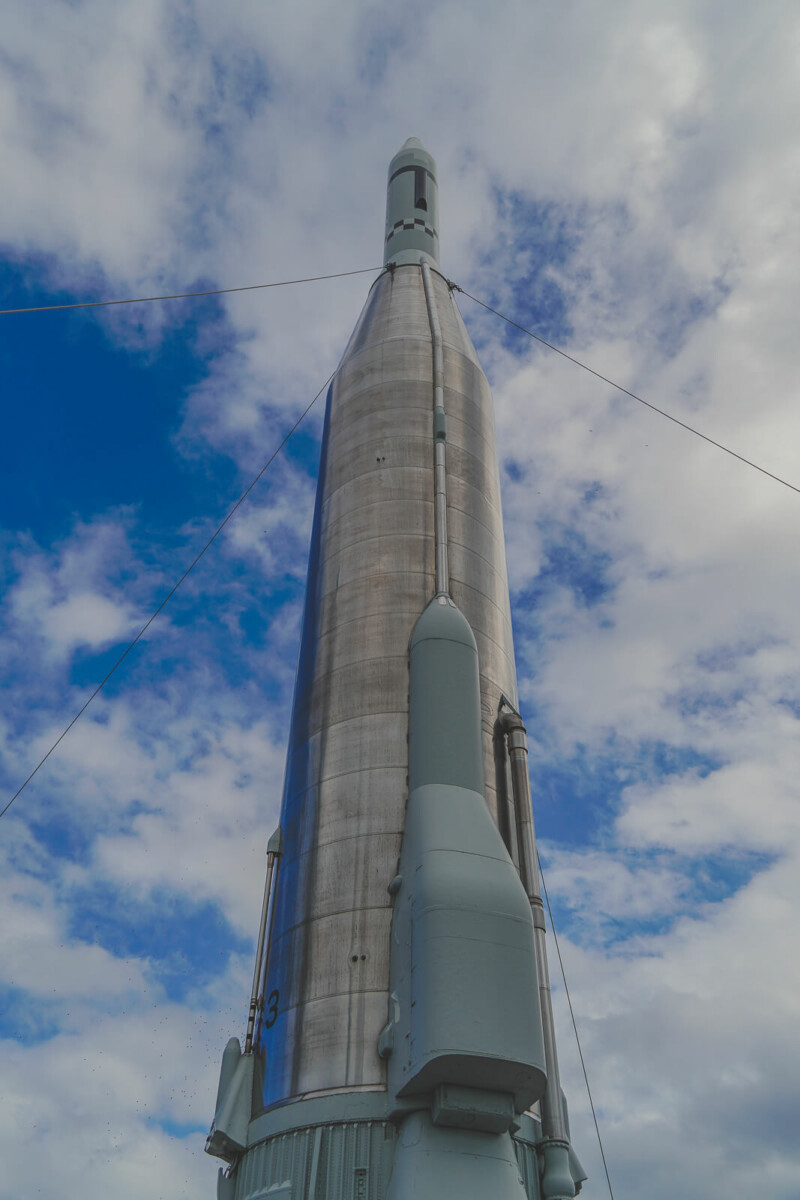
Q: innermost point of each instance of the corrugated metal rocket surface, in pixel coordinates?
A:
(343, 974)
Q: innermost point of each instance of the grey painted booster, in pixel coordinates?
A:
(464, 988)
(465, 1032)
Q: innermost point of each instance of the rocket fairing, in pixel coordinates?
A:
(400, 1037)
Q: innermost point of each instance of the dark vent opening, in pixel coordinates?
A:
(421, 188)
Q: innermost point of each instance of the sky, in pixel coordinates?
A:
(621, 178)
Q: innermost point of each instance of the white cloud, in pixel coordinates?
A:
(40, 957)
(601, 886)
(72, 600)
(205, 832)
(637, 165)
(750, 805)
(80, 1112)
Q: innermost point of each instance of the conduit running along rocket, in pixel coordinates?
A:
(400, 1039)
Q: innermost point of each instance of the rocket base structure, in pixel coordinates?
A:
(400, 1036)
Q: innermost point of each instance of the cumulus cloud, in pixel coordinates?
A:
(71, 600)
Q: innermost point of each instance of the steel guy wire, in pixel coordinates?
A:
(661, 412)
(575, 1029)
(252, 287)
(168, 596)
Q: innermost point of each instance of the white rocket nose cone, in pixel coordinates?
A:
(412, 143)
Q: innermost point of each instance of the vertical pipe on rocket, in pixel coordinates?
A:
(274, 850)
(558, 1181)
(439, 440)
(516, 739)
(265, 974)
(262, 930)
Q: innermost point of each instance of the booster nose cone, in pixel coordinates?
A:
(412, 207)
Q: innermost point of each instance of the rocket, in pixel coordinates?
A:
(400, 1041)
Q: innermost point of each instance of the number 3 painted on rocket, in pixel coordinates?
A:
(272, 1009)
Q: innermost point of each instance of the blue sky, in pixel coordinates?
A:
(621, 181)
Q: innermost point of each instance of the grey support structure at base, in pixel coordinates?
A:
(400, 1040)
(349, 1147)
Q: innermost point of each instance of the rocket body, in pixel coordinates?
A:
(400, 995)
(371, 574)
